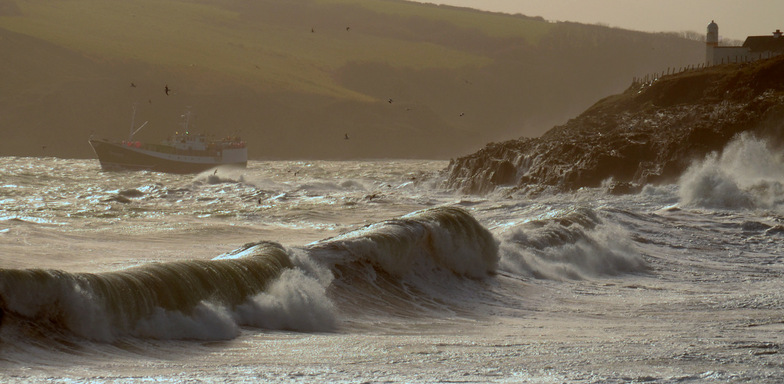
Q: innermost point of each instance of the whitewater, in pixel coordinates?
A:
(373, 271)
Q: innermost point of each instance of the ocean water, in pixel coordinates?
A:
(370, 271)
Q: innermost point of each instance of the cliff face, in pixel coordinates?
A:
(648, 134)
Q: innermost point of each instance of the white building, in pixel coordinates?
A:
(754, 48)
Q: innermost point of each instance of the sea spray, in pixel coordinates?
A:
(575, 244)
(296, 300)
(206, 321)
(747, 174)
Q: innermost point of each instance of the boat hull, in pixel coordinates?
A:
(119, 157)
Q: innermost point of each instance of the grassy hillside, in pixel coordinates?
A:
(293, 77)
(489, 24)
(281, 53)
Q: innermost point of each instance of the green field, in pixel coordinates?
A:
(285, 54)
(490, 24)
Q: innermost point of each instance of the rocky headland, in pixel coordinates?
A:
(650, 133)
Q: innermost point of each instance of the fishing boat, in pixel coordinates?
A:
(184, 152)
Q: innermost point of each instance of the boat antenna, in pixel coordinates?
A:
(139, 129)
(133, 119)
(187, 117)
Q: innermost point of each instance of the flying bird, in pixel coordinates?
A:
(166, 89)
(133, 85)
(345, 137)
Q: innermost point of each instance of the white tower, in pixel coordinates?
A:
(711, 42)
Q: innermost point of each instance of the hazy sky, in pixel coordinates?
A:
(736, 18)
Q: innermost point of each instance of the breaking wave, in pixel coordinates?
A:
(260, 285)
(182, 300)
(428, 262)
(444, 237)
(575, 244)
(746, 175)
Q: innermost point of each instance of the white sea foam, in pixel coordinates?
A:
(577, 245)
(207, 321)
(747, 174)
(295, 301)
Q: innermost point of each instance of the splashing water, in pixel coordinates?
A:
(747, 174)
(368, 271)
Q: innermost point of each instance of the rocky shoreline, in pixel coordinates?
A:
(650, 133)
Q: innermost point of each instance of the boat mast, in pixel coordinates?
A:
(133, 119)
(187, 122)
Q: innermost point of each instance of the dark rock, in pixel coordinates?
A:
(754, 226)
(504, 174)
(623, 188)
(133, 192)
(118, 199)
(648, 134)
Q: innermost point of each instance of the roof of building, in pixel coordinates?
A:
(764, 44)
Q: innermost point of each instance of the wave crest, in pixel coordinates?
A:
(183, 299)
(572, 245)
(447, 237)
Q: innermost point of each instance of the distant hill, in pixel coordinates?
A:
(402, 79)
(648, 134)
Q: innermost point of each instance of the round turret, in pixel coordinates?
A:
(711, 42)
(713, 34)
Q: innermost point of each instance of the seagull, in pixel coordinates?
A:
(166, 89)
(133, 85)
(390, 101)
(345, 137)
(347, 28)
(462, 114)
